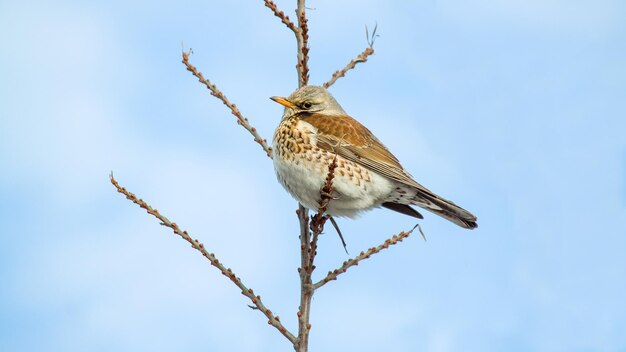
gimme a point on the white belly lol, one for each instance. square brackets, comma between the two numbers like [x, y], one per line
[356, 189]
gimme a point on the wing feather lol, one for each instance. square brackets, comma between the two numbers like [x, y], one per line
[345, 136]
[348, 138]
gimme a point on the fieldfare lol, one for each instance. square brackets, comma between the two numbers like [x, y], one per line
[314, 130]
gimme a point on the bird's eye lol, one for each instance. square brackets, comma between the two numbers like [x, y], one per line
[307, 105]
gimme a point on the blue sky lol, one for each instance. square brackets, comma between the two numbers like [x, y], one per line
[515, 110]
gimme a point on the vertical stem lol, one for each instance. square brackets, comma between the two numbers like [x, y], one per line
[306, 287]
[302, 38]
[306, 253]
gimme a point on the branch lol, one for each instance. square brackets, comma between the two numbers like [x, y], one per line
[308, 250]
[332, 275]
[307, 255]
[302, 37]
[233, 108]
[284, 18]
[306, 290]
[273, 320]
[338, 74]
[361, 58]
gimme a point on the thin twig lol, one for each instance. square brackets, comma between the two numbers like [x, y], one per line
[371, 39]
[283, 17]
[343, 242]
[233, 108]
[421, 232]
[332, 275]
[352, 64]
[273, 320]
[361, 58]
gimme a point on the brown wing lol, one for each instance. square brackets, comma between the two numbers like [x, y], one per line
[345, 136]
[348, 138]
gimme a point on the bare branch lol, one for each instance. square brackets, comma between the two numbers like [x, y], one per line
[352, 64]
[307, 253]
[332, 275]
[310, 228]
[309, 234]
[233, 108]
[302, 37]
[284, 18]
[306, 290]
[361, 58]
[273, 320]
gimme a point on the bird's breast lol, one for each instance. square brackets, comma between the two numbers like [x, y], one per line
[293, 137]
[302, 167]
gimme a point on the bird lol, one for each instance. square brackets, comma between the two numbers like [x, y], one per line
[315, 131]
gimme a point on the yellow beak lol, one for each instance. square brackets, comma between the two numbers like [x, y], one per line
[283, 101]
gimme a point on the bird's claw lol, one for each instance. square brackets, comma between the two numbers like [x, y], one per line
[328, 195]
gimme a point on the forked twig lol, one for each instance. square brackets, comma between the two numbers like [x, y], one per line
[233, 108]
[302, 37]
[273, 320]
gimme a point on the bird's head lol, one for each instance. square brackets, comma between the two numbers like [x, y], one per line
[310, 99]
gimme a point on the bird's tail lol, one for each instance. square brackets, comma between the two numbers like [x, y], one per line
[444, 208]
[454, 213]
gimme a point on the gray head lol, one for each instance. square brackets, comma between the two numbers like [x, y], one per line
[314, 99]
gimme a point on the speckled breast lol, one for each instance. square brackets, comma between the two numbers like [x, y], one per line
[301, 167]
